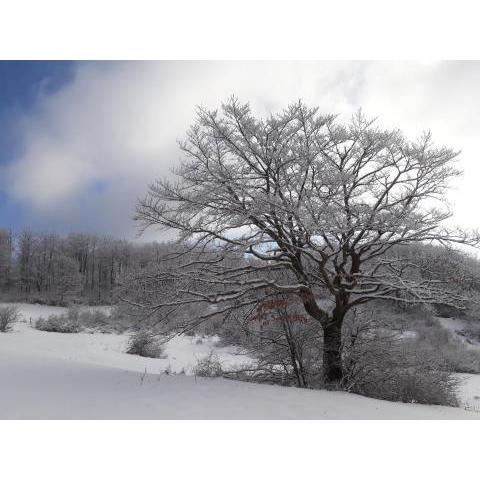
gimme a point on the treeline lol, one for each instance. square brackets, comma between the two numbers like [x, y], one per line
[49, 268]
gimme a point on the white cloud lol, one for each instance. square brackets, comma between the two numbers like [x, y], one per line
[91, 148]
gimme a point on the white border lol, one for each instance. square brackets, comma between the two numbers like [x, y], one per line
[247, 29]
[216, 29]
[238, 450]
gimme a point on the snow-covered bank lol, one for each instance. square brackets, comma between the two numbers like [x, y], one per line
[183, 352]
[50, 375]
[39, 387]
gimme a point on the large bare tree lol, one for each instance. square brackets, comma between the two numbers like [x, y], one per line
[331, 203]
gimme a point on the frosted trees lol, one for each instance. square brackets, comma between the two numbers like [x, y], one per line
[50, 268]
[26, 253]
[324, 200]
[8, 316]
[6, 259]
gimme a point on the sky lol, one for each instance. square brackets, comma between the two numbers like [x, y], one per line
[81, 141]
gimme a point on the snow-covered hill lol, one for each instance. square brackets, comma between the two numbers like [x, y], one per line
[49, 375]
[183, 352]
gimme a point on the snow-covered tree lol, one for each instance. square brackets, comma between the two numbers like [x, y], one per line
[330, 202]
[6, 259]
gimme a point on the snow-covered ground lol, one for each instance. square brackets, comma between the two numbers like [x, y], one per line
[183, 352]
[52, 375]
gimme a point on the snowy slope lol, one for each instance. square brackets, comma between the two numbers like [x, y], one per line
[182, 352]
[86, 376]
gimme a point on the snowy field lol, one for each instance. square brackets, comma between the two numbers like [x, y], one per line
[108, 350]
[47, 375]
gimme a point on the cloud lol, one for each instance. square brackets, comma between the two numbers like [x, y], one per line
[91, 148]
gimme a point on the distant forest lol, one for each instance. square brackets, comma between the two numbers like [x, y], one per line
[89, 269]
[49, 268]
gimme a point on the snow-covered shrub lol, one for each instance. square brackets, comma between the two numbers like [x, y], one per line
[8, 315]
[259, 372]
[120, 320]
[124, 317]
[285, 347]
[78, 319]
[402, 375]
[59, 324]
[145, 345]
[455, 348]
[460, 358]
[93, 320]
[209, 366]
[68, 322]
[379, 364]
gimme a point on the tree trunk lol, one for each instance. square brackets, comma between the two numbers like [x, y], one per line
[332, 355]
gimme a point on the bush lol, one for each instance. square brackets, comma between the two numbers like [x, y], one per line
[58, 323]
[68, 322]
[378, 364]
[78, 319]
[120, 320]
[145, 345]
[123, 318]
[460, 358]
[404, 376]
[259, 372]
[8, 315]
[92, 320]
[209, 366]
[454, 348]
